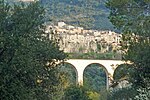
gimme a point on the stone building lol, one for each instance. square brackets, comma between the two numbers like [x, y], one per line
[77, 39]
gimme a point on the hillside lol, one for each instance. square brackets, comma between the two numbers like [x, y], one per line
[90, 14]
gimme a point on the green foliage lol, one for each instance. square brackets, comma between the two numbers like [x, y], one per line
[143, 94]
[76, 93]
[139, 53]
[122, 72]
[93, 95]
[94, 55]
[100, 95]
[135, 17]
[70, 73]
[94, 78]
[132, 17]
[122, 94]
[90, 14]
[24, 54]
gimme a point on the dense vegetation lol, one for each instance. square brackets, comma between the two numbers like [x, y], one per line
[95, 78]
[132, 17]
[27, 65]
[69, 72]
[94, 55]
[91, 14]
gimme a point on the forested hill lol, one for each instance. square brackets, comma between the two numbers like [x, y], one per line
[90, 14]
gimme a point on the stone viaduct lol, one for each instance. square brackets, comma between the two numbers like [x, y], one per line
[108, 65]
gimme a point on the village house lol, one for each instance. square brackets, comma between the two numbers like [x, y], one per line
[77, 39]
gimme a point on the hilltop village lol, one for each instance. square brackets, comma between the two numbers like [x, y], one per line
[77, 39]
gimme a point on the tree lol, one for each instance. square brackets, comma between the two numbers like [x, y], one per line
[76, 93]
[122, 94]
[94, 78]
[132, 18]
[27, 58]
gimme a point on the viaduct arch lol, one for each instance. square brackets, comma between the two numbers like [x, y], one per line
[81, 64]
[104, 69]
